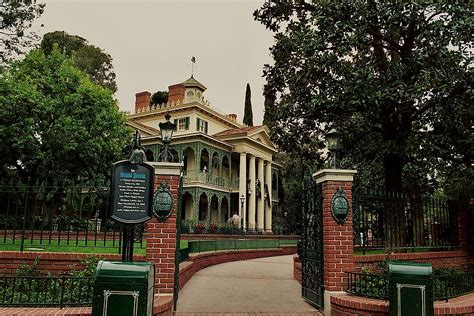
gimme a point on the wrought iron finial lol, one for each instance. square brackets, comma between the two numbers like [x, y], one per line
[138, 155]
[137, 140]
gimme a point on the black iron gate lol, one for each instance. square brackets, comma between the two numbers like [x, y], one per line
[312, 243]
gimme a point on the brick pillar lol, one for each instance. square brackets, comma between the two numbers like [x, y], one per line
[464, 224]
[161, 236]
[338, 246]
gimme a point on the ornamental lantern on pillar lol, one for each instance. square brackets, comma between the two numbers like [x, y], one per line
[167, 128]
[333, 140]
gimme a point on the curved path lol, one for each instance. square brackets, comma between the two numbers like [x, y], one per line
[264, 285]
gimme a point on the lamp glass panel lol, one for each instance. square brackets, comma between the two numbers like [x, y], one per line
[166, 134]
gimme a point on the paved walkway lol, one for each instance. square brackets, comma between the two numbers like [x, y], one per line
[259, 286]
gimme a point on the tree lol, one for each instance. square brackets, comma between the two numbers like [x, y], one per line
[55, 123]
[269, 105]
[89, 58]
[390, 76]
[15, 19]
[248, 115]
[159, 97]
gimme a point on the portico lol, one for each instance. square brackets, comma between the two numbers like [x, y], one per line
[255, 180]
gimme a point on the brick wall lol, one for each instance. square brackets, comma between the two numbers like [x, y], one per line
[441, 259]
[297, 268]
[161, 240]
[337, 239]
[346, 305]
[50, 262]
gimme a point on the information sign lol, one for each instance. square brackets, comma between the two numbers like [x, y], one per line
[132, 192]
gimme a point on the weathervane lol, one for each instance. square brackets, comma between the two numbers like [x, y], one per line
[193, 61]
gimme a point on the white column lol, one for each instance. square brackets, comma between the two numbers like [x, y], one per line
[243, 187]
[261, 201]
[251, 219]
[268, 204]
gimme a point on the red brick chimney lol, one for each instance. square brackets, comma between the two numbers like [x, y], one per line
[176, 92]
[142, 101]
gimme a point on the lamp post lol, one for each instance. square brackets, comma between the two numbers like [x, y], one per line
[167, 128]
[333, 139]
[242, 200]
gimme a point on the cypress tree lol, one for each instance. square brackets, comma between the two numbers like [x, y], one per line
[248, 115]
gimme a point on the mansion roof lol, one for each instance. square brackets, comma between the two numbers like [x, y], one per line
[195, 118]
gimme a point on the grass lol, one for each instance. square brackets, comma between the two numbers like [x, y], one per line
[100, 246]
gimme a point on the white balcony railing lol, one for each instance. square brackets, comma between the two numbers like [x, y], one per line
[207, 178]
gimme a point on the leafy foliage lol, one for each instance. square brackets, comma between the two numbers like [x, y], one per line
[390, 76]
[89, 58]
[159, 97]
[269, 105]
[56, 123]
[16, 18]
[248, 114]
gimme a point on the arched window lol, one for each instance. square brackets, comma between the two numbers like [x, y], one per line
[190, 95]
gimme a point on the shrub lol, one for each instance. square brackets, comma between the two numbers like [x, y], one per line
[213, 228]
[199, 228]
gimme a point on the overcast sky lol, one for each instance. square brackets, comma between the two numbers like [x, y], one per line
[152, 42]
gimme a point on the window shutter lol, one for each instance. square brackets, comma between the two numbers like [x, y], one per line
[187, 123]
[205, 127]
[175, 124]
[197, 124]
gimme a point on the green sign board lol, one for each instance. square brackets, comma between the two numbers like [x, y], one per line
[340, 206]
[131, 192]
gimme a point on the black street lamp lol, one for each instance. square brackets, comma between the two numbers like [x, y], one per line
[242, 201]
[333, 139]
[167, 128]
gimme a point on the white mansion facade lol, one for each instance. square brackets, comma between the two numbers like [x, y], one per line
[228, 167]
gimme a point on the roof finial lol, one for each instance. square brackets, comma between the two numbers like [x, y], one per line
[193, 61]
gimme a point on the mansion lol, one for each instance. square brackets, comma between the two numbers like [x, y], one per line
[228, 167]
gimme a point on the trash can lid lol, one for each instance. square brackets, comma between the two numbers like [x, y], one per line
[123, 269]
[410, 268]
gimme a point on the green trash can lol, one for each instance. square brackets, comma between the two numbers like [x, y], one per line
[123, 288]
[411, 289]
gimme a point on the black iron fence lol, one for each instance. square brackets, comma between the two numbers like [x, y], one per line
[453, 285]
[393, 221]
[46, 291]
[58, 216]
[376, 286]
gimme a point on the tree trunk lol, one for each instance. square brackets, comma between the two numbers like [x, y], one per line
[417, 218]
[394, 215]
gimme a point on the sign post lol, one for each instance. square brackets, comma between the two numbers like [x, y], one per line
[132, 195]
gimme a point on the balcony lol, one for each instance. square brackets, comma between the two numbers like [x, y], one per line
[194, 177]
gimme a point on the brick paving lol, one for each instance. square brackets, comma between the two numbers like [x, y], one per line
[262, 286]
